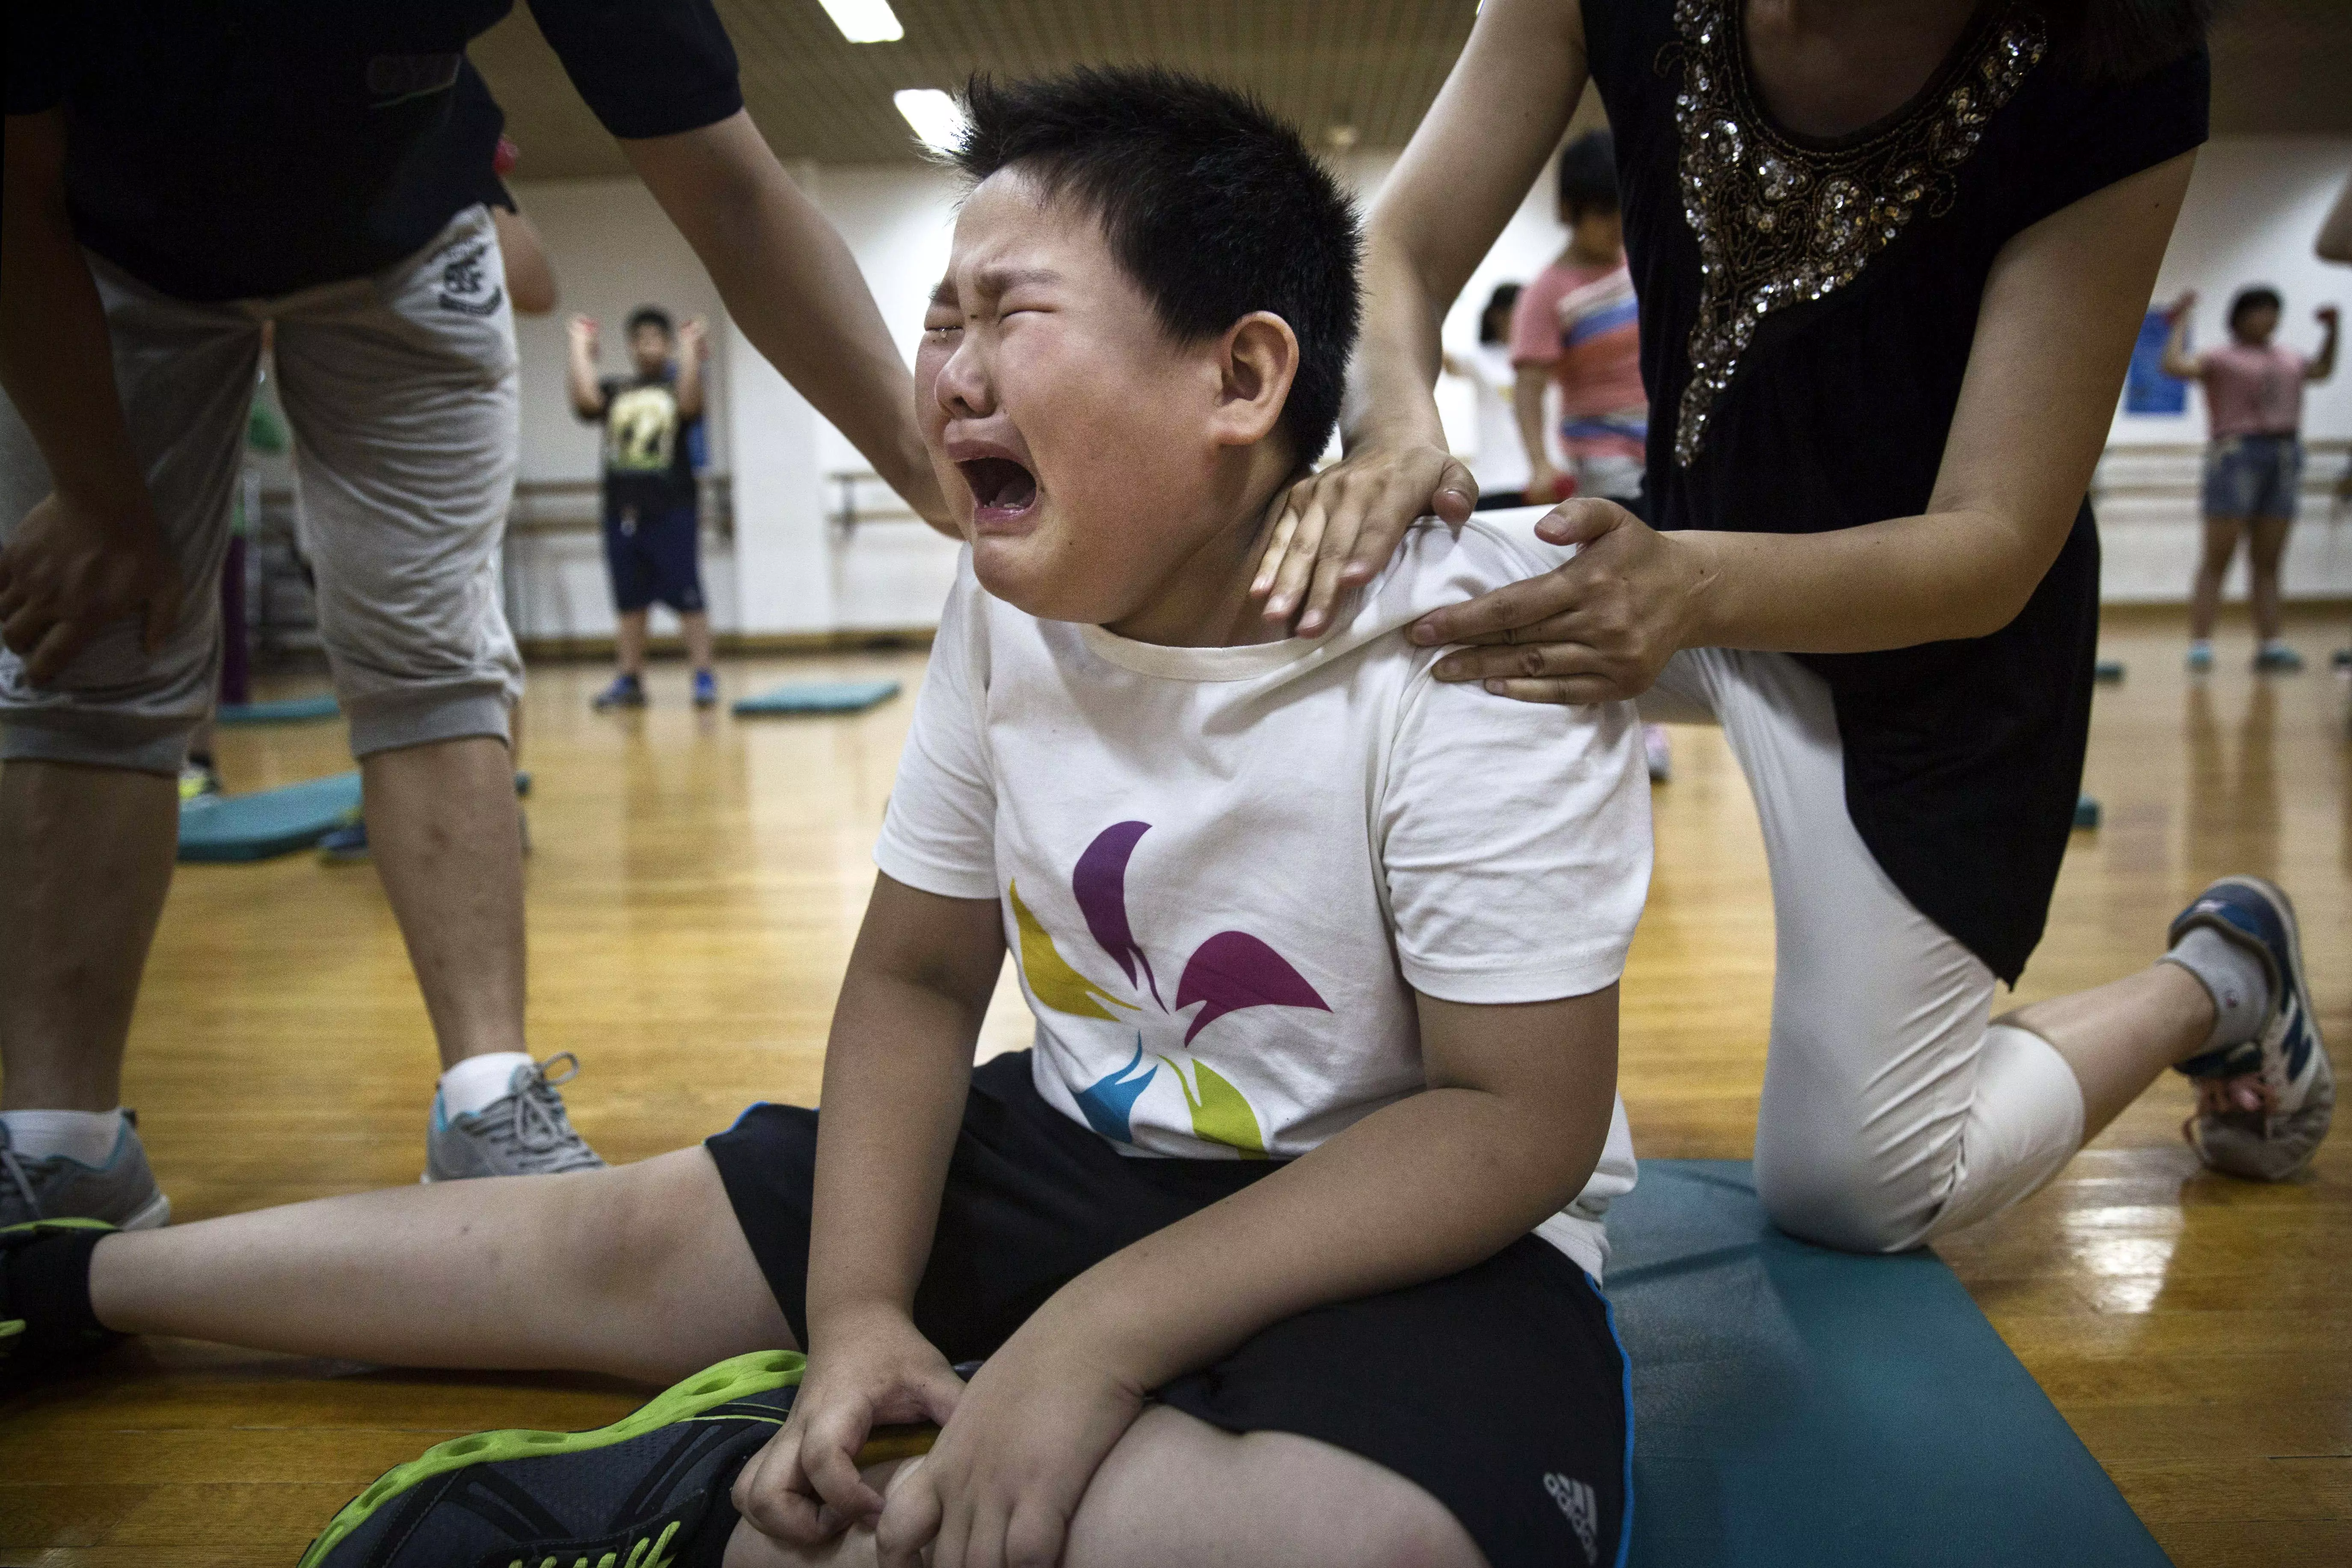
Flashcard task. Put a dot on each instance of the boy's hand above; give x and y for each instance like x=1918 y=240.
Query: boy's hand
x=1004 y=1479
x=803 y=1486
x=2182 y=306
x=692 y=333
x=584 y=331
x=70 y=569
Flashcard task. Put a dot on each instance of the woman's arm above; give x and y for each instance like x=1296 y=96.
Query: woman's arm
x=897 y=1066
x=2062 y=308
x=1509 y=1130
x=793 y=287
x=1503 y=109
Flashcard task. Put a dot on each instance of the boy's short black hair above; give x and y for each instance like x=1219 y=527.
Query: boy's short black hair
x=1495 y=320
x=1211 y=204
x=1588 y=174
x=650 y=316
x=2254 y=298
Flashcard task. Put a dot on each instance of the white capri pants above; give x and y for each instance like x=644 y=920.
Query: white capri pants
x=1893 y=1110
x=402 y=390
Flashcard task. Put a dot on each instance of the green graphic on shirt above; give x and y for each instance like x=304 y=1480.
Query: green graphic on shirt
x=1220 y=1113
x=641 y=430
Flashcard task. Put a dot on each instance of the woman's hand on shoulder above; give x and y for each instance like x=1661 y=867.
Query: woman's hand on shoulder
x=1334 y=531
x=804 y=1486
x=1598 y=629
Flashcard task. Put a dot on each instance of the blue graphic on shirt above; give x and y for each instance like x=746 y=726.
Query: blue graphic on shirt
x=1109 y=1102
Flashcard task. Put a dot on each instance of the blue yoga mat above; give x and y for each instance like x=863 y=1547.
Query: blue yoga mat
x=1796 y=1407
x=267 y=822
x=291 y=710
x=818 y=696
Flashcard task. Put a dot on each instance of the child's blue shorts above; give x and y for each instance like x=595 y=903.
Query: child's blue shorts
x=1501 y=1390
x=655 y=554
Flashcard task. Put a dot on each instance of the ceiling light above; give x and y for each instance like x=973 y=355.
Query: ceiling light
x=938 y=118
x=865 y=21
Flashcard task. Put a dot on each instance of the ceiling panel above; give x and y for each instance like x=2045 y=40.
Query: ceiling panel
x=1370 y=65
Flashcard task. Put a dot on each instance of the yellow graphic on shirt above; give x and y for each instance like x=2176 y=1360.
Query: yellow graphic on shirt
x=1051 y=978
x=641 y=430
x=1219 y=1112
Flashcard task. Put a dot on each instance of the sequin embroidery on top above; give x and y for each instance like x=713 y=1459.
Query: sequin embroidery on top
x=1779 y=223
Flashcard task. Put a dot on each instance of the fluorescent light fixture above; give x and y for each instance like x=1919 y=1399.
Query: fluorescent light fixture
x=938 y=118
x=865 y=21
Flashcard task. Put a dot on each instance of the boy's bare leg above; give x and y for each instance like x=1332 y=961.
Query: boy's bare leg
x=629 y=642
x=696 y=625
x=1279 y=1499
x=639 y=1271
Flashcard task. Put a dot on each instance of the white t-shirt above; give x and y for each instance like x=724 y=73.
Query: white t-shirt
x=1225 y=872
x=1501 y=462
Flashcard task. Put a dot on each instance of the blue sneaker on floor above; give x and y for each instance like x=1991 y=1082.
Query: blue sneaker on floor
x=626 y=691
x=346 y=845
x=705 y=689
x=2297 y=1080
x=2200 y=658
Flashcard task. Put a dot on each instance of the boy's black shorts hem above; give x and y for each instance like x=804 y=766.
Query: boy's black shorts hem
x=1501 y=1390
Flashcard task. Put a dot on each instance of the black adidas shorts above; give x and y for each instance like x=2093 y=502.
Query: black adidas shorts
x=1500 y=1390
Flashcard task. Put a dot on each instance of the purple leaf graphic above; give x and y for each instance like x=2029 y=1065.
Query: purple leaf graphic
x=1099 y=884
x=1234 y=970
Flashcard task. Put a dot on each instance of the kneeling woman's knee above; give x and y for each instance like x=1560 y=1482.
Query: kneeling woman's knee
x=1836 y=1192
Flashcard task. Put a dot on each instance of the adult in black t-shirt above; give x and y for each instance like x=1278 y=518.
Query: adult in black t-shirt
x=176 y=177
x=652 y=421
x=1890 y=269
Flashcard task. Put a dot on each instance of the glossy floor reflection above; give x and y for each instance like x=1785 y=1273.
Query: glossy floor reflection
x=696 y=884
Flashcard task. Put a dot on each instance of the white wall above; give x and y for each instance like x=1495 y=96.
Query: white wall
x=2251 y=212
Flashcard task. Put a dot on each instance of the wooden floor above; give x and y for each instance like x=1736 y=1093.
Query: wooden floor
x=695 y=886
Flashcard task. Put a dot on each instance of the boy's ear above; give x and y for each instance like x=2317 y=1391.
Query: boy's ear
x=1258 y=359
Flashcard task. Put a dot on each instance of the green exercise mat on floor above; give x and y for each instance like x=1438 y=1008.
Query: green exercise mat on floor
x=818 y=696
x=1796 y=1407
x=267 y=822
x=289 y=711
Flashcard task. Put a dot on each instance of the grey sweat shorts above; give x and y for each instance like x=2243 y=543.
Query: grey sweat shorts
x=400 y=391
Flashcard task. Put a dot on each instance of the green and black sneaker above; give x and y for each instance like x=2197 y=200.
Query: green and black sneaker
x=33 y=1343
x=631 y=1494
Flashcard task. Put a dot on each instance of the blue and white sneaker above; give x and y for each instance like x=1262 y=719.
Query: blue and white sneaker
x=626 y=691
x=2298 y=1083
x=705 y=689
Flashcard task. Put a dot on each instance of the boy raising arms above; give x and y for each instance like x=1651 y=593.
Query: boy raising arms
x=1280 y=1246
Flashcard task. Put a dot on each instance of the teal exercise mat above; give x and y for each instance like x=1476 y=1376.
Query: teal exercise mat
x=267 y=822
x=291 y=710
x=1796 y=1407
x=817 y=696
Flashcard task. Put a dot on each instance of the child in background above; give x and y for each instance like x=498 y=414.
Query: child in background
x=653 y=523
x=1500 y=464
x=2253 y=468
x=1280 y=1245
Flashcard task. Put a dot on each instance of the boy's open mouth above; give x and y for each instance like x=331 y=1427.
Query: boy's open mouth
x=1001 y=487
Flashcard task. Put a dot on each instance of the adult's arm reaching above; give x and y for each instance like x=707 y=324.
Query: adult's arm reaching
x=92 y=550
x=793 y=287
x=1502 y=111
x=2061 y=310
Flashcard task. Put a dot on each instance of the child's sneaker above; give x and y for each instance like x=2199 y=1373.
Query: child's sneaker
x=32 y=1347
x=626 y=691
x=121 y=1192
x=2298 y=1084
x=705 y=689
x=199 y=780
x=632 y=1493
x=525 y=1132
x=2200 y=657
x=2277 y=658
x=346 y=845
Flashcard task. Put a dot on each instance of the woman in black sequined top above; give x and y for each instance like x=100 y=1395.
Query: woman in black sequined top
x=1891 y=260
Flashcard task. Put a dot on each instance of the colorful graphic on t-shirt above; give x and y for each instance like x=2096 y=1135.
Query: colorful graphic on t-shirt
x=1230 y=971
